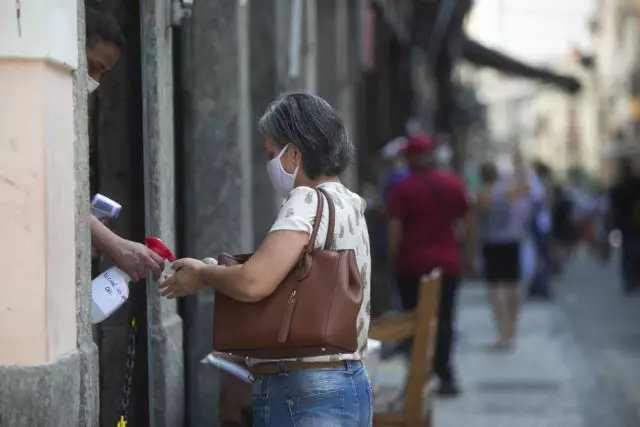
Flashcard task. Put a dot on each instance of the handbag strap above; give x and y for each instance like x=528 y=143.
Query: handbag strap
x=332 y=217
x=320 y=192
x=316 y=223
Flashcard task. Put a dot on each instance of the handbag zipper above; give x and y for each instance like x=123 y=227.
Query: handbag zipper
x=287 y=317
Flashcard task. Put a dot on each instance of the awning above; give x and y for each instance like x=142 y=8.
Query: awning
x=481 y=55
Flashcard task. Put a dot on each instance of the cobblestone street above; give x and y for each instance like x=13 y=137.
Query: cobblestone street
x=577 y=363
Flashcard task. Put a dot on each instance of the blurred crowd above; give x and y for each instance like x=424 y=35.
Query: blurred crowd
x=513 y=227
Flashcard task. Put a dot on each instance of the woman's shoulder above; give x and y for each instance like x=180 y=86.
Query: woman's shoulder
x=305 y=195
x=343 y=196
x=340 y=195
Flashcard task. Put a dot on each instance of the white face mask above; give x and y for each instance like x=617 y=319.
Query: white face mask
x=92 y=85
x=281 y=180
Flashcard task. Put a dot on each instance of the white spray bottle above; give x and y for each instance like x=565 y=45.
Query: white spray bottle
x=111 y=289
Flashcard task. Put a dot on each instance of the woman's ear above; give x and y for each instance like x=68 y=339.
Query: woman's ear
x=296 y=156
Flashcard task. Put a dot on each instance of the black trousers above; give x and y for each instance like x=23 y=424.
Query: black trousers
x=408 y=286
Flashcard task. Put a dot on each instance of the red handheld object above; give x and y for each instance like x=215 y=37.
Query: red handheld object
x=158 y=246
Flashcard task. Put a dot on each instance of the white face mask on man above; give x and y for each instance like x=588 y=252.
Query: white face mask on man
x=92 y=85
x=281 y=180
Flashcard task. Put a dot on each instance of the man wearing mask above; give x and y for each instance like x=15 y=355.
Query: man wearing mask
x=424 y=211
x=104 y=45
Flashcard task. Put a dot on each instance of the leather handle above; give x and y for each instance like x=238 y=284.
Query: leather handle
x=316 y=223
x=332 y=219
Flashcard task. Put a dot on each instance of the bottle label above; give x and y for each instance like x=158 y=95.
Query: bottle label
x=113 y=288
x=109 y=291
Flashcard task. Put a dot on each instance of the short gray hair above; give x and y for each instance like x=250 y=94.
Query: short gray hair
x=314 y=127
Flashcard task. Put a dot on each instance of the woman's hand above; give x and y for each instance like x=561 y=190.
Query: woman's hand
x=187 y=279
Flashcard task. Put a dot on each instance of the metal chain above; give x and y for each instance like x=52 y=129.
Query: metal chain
x=131 y=359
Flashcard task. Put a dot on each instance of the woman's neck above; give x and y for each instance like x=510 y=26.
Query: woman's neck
x=303 y=182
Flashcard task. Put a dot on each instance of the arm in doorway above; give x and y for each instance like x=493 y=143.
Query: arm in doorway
x=131 y=257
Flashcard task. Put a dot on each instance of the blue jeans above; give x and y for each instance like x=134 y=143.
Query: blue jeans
x=331 y=397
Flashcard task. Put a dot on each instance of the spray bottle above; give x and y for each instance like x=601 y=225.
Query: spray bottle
x=111 y=289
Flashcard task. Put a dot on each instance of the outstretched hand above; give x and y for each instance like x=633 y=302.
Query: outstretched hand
x=134 y=258
x=185 y=281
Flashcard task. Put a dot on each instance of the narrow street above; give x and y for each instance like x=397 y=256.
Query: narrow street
x=604 y=340
x=577 y=363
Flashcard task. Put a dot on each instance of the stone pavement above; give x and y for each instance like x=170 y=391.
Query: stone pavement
x=530 y=387
x=605 y=334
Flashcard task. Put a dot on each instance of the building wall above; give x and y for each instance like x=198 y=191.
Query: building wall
x=44 y=338
x=538 y=118
x=87 y=349
x=215 y=158
x=44 y=187
x=548 y=123
x=617 y=52
x=38 y=212
x=507 y=119
x=165 y=327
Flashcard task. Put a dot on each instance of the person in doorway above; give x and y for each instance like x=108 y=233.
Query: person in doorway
x=308 y=147
x=423 y=210
x=501 y=228
x=104 y=45
x=625 y=204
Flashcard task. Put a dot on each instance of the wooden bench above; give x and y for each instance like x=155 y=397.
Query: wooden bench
x=419 y=326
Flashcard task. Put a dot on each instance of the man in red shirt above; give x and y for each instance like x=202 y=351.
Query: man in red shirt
x=424 y=212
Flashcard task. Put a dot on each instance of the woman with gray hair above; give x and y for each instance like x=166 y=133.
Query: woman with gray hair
x=307 y=147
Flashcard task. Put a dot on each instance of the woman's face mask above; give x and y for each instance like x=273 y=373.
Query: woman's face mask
x=281 y=180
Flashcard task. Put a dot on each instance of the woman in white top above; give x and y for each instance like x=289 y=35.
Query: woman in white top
x=307 y=146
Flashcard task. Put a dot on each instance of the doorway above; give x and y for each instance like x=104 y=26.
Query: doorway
x=116 y=163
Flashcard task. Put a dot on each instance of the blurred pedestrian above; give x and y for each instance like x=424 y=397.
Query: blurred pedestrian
x=393 y=154
x=396 y=170
x=540 y=194
x=423 y=211
x=625 y=204
x=563 y=229
x=602 y=224
x=501 y=230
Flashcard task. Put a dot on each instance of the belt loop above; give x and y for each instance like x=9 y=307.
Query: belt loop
x=283 y=367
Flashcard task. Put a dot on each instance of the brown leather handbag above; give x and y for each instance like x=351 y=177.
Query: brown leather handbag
x=313 y=312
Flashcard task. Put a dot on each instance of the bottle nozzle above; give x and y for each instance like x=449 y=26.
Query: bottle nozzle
x=158 y=246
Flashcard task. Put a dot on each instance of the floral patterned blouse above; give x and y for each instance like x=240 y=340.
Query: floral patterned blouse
x=298 y=213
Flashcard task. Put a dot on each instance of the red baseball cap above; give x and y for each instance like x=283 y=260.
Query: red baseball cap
x=420 y=144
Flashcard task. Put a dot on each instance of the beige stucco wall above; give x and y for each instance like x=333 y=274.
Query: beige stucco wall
x=37 y=214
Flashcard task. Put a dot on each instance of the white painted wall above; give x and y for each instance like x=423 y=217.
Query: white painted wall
x=617 y=49
x=515 y=106
x=39 y=29
x=38 y=51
